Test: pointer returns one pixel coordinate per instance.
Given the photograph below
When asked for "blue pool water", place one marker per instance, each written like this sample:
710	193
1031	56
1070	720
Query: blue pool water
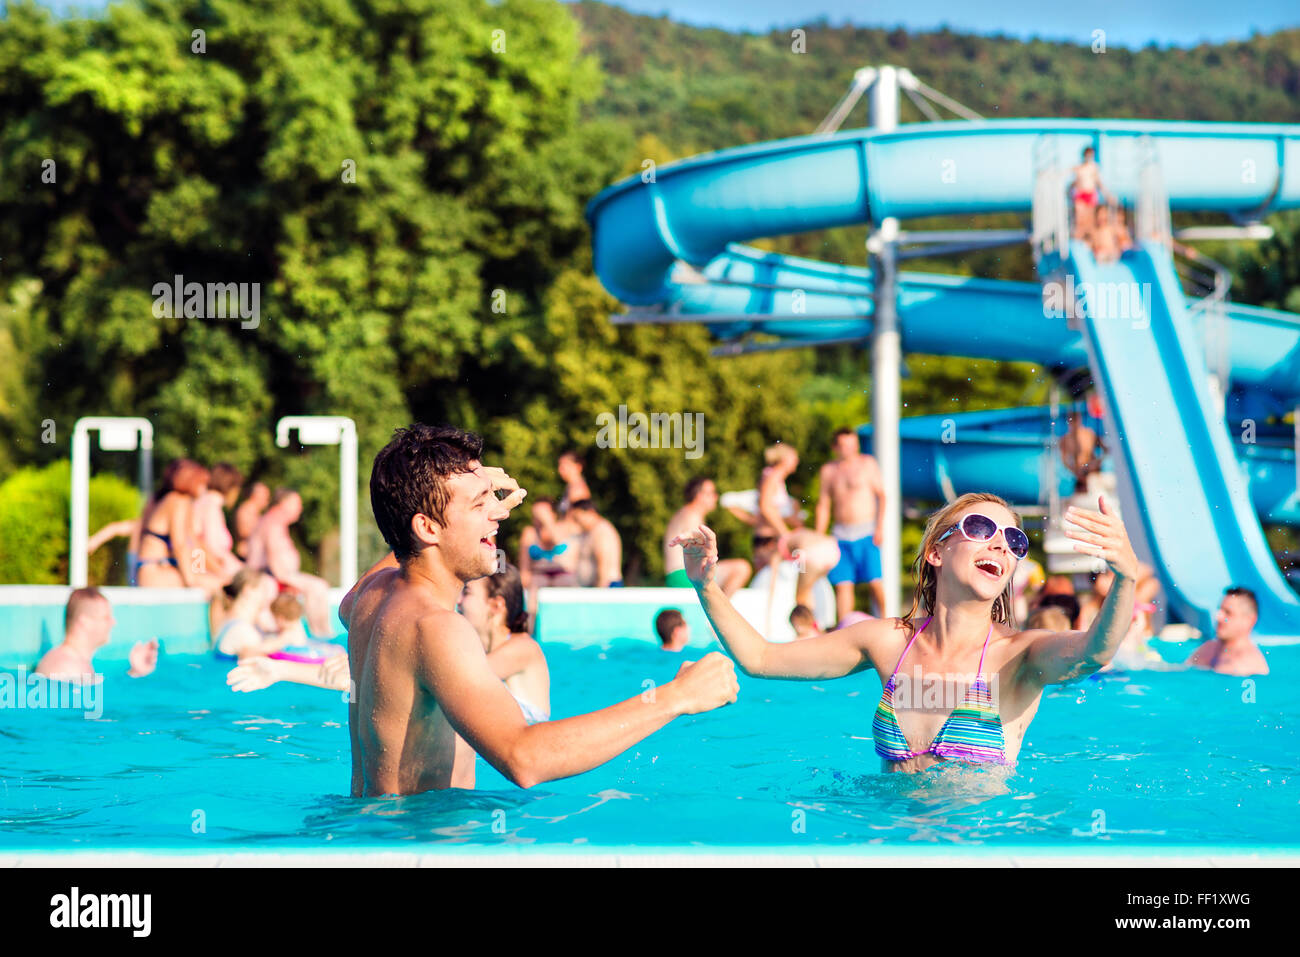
178	761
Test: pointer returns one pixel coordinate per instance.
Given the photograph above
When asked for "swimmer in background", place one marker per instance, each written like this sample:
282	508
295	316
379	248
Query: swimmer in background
961	614
674	634
271	548
211	533
166	547
548	553
1123	238
248	514
852	485
1049	618
548	549
288	654
804	622
248	596
424	686
1145	594
1086	192
495	607
1081	450
1232	650
777	533
570	467
701	499
1105	240
87	624
291	636
600	549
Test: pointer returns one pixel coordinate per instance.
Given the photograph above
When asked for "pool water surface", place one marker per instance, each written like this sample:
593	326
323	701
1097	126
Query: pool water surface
178	761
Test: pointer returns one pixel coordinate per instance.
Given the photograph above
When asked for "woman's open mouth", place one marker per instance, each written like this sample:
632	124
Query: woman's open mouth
989	566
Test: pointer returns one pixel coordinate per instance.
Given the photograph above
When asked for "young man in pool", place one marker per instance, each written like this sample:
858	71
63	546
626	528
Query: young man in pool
1232	651
426	697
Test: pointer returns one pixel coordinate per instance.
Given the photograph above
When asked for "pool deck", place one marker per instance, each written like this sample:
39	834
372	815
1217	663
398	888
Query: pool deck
1134	856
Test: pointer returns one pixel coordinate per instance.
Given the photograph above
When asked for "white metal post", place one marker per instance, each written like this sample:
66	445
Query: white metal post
348	503
886	354
341	431
116	434
77	558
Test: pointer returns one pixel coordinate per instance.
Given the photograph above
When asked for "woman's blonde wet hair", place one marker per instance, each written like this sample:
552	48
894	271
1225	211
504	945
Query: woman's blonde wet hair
926	575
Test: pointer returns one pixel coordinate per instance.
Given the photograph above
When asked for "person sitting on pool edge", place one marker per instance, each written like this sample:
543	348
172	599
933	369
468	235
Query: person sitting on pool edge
87	624
1232	651
600	548
674	634
426	696
963	569
701	496
271	549
495	607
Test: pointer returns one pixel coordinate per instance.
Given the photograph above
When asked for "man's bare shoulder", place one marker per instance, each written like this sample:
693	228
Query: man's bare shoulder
366	595
441	632
57	661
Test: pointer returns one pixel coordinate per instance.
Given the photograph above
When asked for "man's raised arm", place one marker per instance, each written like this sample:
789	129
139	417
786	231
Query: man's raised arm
481	709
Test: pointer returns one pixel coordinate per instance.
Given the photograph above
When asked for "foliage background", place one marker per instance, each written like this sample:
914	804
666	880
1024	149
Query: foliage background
473	166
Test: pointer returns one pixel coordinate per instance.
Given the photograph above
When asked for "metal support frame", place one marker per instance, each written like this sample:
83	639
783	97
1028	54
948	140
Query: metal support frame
887	356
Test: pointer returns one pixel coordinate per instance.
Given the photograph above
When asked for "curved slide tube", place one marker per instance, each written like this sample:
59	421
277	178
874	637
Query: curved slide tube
946	315
692	209
1006	452
1176	455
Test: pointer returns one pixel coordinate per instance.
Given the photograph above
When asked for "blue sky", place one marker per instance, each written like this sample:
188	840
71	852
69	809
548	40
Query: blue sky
1131	23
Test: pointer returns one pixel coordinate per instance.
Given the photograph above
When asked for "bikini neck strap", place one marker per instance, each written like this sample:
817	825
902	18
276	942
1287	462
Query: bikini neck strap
917	635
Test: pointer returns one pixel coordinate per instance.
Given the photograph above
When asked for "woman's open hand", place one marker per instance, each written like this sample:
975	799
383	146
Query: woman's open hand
699	554
1102	534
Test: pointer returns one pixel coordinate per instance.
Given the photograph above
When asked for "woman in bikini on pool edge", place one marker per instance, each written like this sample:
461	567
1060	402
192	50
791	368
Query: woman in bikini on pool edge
964	569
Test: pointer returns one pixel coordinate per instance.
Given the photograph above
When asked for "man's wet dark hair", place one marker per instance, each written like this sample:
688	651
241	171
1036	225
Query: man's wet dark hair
693	487
410	475
1247	594
844	430
582	505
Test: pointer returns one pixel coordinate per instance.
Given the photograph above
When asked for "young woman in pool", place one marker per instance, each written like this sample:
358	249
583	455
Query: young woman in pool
958	640
495	607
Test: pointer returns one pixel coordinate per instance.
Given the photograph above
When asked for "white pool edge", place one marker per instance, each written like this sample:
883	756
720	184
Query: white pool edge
525	856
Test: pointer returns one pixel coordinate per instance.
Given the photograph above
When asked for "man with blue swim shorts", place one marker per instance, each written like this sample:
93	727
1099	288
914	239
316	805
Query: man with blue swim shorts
852	486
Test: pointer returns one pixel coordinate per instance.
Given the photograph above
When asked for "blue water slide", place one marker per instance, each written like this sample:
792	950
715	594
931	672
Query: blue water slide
805	300
1007	452
671	241
1175	450
691	210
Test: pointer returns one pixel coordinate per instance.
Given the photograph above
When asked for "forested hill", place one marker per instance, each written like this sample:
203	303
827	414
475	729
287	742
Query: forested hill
699	88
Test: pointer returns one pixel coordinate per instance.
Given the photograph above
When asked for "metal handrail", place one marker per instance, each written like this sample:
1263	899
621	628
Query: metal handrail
1208	280
1051	217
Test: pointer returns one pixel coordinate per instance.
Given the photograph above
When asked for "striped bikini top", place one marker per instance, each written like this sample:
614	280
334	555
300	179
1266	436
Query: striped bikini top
973	732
